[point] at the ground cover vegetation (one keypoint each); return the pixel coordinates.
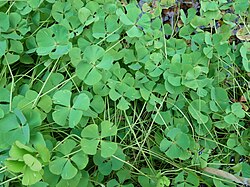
(124, 93)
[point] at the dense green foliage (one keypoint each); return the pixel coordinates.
(106, 93)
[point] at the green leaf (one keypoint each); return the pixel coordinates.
(196, 108)
(57, 165)
(231, 119)
(237, 110)
(18, 150)
(81, 102)
(67, 146)
(75, 56)
(241, 6)
(114, 95)
(45, 41)
(53, 81)
(91, 131)
(3, 46)
(245, 170)
(187, 179)
(144, 21)
(163, 181)
(65, 112)
(98, 104)
(208, 51)
(69, 171)
(199, 21)
(134, 32)
(53, 41)
(83, 14)
(89, 146)
(244, 51)
(62, 97)
(82, 70)
(1, 113)
(13, 132)
(4, 22)
(60, 115)
(112, 183)
(106, 62)
(123, 175)
(105, 166)
(45, 103)
(14, 165)
(177, 147)
(175, 46)
(219, 95)
(93, 53)
(174, 80)
(44, 153)
(16, 46)
(10, 58)
(32, 162)
(123, 104)
(31, 177)
(99, 29)
(60, 10)
(80, 159)
(74, 117)
(93, 77)
(124, 19)
(108, 129)
(108, 148)
(162, 118)
(78, 179)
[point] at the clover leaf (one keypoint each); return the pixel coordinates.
(70, 163)
(156, 66)
(148, 181)
(176, 144)
(18, 129)
(101, 88)
(199, 110)
(201, 157)
(92, 138)
(94, 61)
(61, 10)
(15, 27)
(97, 106)
(63, 167)
(123, 177)
(26, 160)
(219, 98)
(53, 41)
(87, 14)
(4, 101)
(244, 51)
(4, 22)
(175, 46)
(25, 103)
(107, 165)
(174, 76)
(51, 82)
(67, 114)
(107, 28)
(235, 115)
(235, 143)
(131, 20)
(187, 179)
(122, 87)
(240, 6)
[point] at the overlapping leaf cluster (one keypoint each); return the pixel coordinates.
(103, 92)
